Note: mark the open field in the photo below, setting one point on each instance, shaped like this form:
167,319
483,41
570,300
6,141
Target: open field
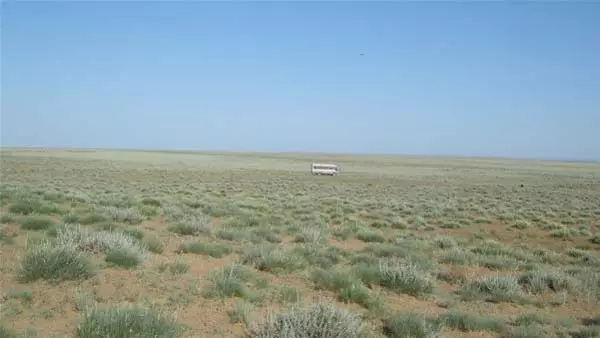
184,244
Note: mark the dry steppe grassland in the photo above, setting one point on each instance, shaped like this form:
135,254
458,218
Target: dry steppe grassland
101,243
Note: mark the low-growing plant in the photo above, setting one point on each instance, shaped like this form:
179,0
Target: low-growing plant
36,222
127,322
53,263
311,235
211,249
155,245
406,278
269,258
538,282
370,236
323,321
467,322
124,257
192,226
240,312
494,289
228,282
348,287
411,325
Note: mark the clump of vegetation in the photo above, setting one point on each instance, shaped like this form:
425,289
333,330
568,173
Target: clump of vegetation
155,245
228,282
269,258
348,287
123,257
467,322
406,278
125,215
53,263
36,222
211,249
494,289
410,325
323,321
370,236
192,226
127,322
538,282
310,235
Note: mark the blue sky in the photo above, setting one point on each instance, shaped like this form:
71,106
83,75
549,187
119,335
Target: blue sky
436,78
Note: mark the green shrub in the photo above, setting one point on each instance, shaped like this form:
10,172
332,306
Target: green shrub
125,322
406,278
410,325
53,263
323,321
192,226
36,223
267,258
370,236
228,282
468,322
155,245
538,282
348,287
124,257
494,289
125,215
213,250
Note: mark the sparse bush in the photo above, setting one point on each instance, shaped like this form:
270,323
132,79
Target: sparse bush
227,282
310,235
126,215
406,278
458,256
124,257
370,236
127,322
230,235
445,242
468,322
494,289
98,242
323,321
348,287
530,319
192,226
213,250
176,268
240,312
8,218
90,218
538,282
155,245
411,325
267,258
36,223
53,263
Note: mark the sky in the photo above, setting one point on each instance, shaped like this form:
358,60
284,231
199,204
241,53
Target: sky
420,78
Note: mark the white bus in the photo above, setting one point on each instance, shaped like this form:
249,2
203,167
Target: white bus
325,169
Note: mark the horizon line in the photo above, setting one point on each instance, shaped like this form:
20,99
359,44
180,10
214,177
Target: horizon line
181,150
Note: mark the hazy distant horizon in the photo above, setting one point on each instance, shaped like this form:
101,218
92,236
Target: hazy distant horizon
233,152
462,79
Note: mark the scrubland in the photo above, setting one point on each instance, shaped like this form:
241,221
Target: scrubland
182,244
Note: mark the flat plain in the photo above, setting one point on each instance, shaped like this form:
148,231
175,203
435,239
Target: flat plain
107,243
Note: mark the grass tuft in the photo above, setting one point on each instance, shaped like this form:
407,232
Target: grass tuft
37,222
323,321
127,322
210,249
53,263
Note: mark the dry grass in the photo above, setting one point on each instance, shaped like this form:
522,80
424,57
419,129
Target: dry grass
251,245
